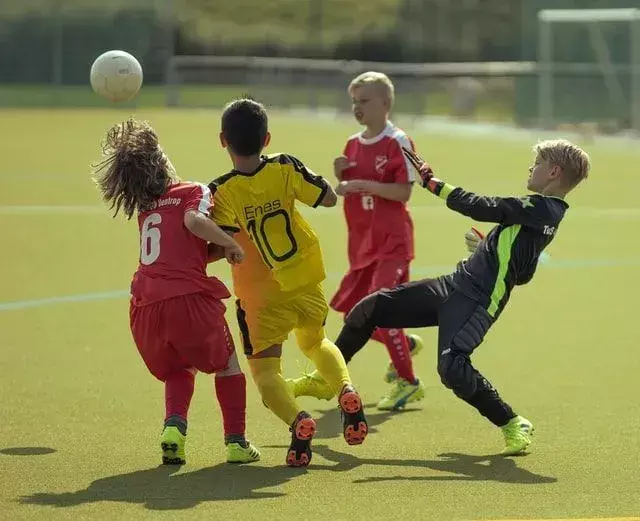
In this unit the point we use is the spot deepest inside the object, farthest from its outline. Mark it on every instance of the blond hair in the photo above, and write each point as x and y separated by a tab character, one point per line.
374	78
573	161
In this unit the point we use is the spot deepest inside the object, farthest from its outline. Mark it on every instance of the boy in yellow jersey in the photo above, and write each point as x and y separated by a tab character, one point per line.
278	285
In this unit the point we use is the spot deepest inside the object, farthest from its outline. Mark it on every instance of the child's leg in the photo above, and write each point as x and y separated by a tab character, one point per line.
231	391
397	345
276	394
414	304
389	274
178	391
463	325
325	355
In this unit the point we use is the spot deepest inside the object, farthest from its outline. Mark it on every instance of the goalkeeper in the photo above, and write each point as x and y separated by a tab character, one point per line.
466	303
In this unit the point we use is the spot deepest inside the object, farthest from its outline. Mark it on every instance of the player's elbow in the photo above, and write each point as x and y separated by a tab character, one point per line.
329	198
404	193
191	220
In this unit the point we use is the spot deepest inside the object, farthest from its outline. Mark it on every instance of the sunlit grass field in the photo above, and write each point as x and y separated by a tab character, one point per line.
81	416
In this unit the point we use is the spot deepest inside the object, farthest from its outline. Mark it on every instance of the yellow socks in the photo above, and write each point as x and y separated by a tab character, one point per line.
267	374
329	362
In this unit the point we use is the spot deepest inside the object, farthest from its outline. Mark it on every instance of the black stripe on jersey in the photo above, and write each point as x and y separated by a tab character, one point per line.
213	185
323	192
244	329
219	181
310	178
232	229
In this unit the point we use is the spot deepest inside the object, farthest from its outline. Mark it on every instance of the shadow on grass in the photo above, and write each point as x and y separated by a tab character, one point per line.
161	488
27	451
329	424
461	467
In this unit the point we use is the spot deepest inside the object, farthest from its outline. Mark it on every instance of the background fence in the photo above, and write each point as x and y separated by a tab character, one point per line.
53	42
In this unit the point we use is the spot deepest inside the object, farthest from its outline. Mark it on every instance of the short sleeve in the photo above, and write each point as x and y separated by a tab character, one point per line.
308	187
399	166
199	199
222	211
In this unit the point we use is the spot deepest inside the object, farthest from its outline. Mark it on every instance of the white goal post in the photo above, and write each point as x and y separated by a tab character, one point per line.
592	18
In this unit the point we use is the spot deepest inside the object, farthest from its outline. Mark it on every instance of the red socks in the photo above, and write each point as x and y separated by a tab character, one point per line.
178	390
230	390
397	345
232	397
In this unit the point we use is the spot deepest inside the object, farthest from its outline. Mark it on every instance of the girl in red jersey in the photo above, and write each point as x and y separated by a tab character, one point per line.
176	310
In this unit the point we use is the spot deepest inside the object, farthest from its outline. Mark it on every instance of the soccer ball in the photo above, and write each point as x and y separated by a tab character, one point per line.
116	76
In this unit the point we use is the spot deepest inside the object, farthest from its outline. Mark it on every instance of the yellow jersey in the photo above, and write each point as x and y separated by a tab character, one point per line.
282	251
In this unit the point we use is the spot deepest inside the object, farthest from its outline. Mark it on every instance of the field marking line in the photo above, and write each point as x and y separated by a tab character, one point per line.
81	297
421	271
579	211
572	519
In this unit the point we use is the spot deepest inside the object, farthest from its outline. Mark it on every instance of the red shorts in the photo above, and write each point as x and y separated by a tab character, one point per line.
183	332
357	284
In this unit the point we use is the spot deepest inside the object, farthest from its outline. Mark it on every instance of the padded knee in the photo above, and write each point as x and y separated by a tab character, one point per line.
457	374
363	315
473	331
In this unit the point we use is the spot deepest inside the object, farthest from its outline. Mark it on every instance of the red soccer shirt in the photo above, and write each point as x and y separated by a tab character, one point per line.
173	261
378	228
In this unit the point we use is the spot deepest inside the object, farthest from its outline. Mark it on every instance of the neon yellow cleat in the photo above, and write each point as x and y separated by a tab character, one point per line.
172	443
415	346
236	453
310	384
517	435
401	394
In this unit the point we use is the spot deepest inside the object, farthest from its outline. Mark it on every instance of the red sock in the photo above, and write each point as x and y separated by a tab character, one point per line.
178	390
397	345
232	397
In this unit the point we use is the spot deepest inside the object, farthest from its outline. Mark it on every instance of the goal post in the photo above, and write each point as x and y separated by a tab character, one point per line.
624	96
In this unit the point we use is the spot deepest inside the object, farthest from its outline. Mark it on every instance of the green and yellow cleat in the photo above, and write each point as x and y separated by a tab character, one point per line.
415	346
172	444
310	384
401	394
517	436
237	453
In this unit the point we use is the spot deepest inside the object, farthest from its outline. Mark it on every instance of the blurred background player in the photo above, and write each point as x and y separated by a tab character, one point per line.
466	303
176	310
279	283
376	181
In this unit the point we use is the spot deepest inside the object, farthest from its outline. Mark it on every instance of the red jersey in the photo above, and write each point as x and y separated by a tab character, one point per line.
173	261
378	228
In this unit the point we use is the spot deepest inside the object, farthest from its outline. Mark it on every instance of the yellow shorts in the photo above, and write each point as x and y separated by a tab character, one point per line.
265	324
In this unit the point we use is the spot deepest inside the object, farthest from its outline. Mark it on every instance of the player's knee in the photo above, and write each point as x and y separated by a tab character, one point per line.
309	341
265	372
364	314
457	374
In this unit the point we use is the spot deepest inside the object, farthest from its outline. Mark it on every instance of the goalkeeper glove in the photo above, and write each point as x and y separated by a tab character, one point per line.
427	179
472	238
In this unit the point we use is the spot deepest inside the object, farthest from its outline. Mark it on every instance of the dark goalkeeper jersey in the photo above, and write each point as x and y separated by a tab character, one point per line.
508	255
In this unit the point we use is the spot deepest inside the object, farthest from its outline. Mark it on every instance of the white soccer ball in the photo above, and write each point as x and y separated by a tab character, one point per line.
116	76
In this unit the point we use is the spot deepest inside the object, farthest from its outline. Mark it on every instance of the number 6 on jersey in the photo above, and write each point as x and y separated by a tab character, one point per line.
150	239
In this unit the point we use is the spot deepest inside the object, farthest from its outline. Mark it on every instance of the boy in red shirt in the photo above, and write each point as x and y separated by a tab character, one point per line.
376	181
176	310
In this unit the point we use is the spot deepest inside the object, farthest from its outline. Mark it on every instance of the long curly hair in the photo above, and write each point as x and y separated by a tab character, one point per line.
134	170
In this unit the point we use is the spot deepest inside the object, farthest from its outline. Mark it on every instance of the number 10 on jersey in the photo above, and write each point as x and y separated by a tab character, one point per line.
280	224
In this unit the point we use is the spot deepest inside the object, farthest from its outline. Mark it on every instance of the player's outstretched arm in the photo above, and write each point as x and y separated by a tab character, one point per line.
392	191
504	210
201	226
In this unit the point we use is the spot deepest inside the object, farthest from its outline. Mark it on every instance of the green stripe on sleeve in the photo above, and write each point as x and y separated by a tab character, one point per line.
446	190
505	242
